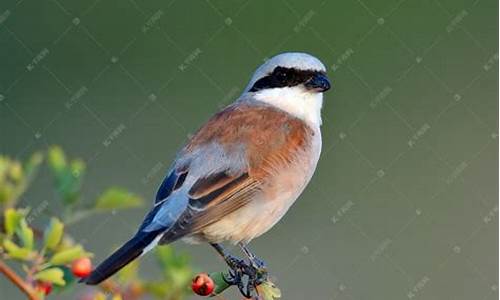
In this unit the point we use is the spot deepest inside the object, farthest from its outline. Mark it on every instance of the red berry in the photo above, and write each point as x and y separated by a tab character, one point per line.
81	267
43	287
203	285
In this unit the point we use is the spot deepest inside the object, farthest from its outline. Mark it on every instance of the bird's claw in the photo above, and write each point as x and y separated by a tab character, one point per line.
255	271
260	267
235	277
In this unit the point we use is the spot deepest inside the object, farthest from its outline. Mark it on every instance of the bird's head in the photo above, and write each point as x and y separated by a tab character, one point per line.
293	82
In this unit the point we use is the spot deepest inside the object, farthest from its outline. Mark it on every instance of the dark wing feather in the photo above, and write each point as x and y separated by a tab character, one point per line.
234	196
171	183
210	199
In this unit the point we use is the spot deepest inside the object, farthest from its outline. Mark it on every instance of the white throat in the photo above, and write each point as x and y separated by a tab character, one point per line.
296	101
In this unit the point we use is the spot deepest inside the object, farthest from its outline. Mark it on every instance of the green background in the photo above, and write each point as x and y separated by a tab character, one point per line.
404	203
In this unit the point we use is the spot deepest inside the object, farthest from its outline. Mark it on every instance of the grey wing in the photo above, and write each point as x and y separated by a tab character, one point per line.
201	188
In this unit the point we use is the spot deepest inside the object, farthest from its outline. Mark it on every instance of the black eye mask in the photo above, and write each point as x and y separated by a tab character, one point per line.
284	77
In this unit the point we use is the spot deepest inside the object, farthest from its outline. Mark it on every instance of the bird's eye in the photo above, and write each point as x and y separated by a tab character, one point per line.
281	73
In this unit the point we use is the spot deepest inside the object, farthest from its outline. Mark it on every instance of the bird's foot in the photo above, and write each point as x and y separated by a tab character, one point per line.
260	266
246	276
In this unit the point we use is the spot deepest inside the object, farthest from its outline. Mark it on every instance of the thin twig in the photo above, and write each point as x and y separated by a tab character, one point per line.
18	281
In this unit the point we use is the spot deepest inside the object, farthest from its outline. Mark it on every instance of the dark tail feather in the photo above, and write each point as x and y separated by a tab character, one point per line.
123	256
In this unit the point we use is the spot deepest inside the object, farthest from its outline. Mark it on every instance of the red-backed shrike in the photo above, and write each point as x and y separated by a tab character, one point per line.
239	174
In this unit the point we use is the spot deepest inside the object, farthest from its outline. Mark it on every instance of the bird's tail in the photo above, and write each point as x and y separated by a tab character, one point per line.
132	249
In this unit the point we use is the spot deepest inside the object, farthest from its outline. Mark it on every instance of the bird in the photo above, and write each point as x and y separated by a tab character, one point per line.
241	171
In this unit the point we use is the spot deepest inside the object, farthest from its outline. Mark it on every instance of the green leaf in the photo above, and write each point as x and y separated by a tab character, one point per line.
268	291
117	198
7	192
129	272
25	234
16	252
157	289
16	171
180	277
67	183
68	275
220	281
56	158
169	259
175	266
69	255
12	218
53	234
77	168
68	186
54	275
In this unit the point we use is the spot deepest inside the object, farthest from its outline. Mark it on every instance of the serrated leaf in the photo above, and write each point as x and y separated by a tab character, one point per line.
54	275
25	234
68	255
117	198
16	252
53	234
12	218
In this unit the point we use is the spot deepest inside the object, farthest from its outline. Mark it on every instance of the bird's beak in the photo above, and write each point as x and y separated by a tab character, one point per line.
318	83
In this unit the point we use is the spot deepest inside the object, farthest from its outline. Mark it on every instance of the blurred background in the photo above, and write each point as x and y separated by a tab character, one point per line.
404	203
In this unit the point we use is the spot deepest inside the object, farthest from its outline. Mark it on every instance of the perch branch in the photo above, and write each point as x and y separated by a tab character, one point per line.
18	281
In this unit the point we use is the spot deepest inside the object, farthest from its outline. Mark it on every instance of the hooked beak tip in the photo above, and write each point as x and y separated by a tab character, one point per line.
319	83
